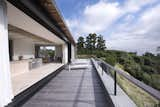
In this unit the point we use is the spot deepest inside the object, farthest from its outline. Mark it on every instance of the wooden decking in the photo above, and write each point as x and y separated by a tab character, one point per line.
75	86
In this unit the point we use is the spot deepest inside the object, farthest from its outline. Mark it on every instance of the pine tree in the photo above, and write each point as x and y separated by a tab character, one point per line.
91	42
88	42
80	44
101	43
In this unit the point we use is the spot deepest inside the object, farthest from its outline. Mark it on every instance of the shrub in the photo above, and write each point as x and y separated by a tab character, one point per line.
148	69
138	59
111	60
147	61
155	81
146	78
100	54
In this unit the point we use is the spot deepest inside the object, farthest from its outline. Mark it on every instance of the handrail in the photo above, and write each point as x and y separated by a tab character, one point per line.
153	92
105	67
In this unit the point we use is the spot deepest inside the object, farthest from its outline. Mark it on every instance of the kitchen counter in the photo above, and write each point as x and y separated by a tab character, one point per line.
22	66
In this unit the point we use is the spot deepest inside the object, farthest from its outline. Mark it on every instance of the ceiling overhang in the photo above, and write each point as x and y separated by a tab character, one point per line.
45	13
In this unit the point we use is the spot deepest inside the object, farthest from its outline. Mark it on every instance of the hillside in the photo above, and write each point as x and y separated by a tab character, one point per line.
145	68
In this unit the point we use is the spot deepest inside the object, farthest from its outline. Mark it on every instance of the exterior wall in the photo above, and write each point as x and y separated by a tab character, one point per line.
65	53
23	47
6	93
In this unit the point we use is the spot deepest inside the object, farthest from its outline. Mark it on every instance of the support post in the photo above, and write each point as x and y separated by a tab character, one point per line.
69	52
6	94
65	53
115	82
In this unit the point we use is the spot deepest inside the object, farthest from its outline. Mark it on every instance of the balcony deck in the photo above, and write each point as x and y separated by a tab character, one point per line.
78	85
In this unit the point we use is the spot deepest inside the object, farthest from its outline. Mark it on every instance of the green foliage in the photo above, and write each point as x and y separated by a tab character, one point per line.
141	67
138	95
91	44
138	59
50	52
148	54
146	78
111	60
99	54
155	81
101	43
147	61
145	68
80	45
91	41
47	52
148	69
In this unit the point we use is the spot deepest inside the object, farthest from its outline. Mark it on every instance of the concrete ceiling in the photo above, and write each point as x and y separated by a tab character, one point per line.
16	33
22	23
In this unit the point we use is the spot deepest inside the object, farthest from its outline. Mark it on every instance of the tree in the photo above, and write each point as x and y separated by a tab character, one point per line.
101	43
80	44
91	42
91	45
158	51
148	54
88	42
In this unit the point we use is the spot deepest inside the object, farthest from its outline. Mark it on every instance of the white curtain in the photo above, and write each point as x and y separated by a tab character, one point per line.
6	94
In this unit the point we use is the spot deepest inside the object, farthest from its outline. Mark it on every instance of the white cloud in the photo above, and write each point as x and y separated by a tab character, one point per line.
72	23
129	32
96	18
142	36
136	5
99	16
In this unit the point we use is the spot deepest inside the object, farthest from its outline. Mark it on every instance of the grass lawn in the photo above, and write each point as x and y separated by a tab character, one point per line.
139	96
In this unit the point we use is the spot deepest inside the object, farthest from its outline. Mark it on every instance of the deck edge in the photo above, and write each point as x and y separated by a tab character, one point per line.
22	97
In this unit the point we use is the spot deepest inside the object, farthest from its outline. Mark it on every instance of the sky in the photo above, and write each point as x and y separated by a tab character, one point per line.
129	25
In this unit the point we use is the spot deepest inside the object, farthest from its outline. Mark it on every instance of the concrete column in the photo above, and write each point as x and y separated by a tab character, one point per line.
69	52
73	52
6	94
65	53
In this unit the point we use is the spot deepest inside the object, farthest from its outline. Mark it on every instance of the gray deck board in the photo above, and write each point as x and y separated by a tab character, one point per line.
75	88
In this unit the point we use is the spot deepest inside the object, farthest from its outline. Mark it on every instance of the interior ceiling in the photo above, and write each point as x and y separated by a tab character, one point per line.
25	23
16	33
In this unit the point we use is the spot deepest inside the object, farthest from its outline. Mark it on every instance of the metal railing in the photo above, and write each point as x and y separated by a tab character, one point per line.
113	72
108	69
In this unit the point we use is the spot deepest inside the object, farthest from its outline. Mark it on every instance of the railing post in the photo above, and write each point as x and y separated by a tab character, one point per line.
115	82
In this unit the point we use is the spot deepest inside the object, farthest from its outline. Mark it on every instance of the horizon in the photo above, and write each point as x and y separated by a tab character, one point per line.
127	25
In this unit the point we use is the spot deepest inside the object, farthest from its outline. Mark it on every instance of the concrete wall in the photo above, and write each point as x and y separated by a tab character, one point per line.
23	47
